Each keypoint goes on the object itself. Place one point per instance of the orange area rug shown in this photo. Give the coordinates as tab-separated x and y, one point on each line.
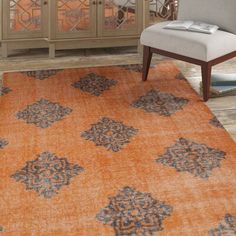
97	152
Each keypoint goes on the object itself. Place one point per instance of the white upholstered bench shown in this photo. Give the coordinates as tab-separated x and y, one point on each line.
205	50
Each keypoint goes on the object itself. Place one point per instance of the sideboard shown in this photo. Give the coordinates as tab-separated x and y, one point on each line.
68	24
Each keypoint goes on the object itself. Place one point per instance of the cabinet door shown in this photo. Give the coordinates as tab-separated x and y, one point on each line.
73	18
24	19
119	17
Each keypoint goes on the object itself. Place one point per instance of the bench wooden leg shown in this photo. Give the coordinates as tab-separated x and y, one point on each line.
206	80
147	57
4	50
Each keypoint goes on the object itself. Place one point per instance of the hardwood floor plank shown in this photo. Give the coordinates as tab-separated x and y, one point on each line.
227	117
223	103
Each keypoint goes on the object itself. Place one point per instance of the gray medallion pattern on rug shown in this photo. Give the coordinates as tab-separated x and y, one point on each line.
162	103
227	227
3	143
111	134
1	228
43	113
47	174
180	76
215	122
4	90
132	213
135	67
197	159
94	84
41	74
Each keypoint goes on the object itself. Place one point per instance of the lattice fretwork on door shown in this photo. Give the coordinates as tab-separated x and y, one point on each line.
25	15
161	10
73	15
120	14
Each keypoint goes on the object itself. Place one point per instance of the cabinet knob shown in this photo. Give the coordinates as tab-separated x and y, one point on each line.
45	3
100	2
94	2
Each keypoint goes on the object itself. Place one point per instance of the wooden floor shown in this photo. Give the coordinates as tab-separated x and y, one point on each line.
224	108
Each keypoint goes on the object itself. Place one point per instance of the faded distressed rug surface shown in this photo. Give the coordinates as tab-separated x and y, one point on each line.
97	152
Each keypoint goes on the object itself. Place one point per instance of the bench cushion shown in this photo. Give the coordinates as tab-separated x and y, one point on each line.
204	47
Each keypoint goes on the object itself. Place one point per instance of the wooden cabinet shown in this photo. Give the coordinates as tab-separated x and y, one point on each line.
67	24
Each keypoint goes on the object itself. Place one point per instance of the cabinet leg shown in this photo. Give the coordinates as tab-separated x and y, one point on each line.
4	50
52	50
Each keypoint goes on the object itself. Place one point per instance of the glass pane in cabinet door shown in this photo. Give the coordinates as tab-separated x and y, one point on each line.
120	14
73	15
162	10
25	15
